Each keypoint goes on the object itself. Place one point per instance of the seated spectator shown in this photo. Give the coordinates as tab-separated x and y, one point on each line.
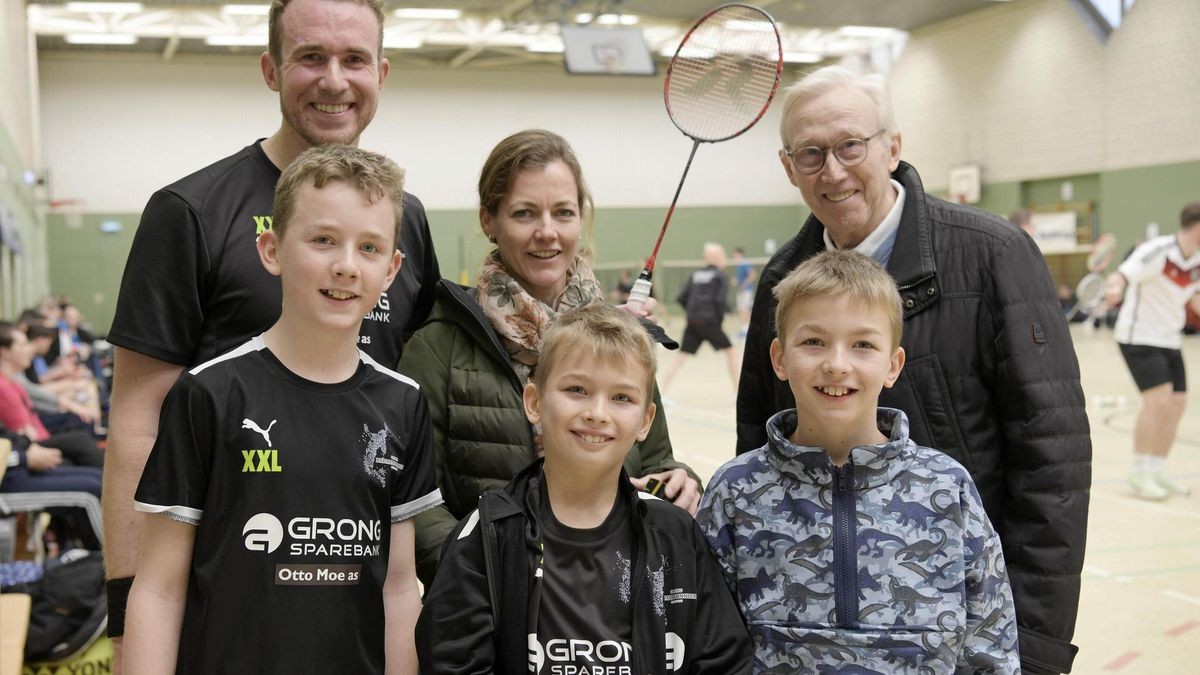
16	407
75	390
33	469
36	468
47	365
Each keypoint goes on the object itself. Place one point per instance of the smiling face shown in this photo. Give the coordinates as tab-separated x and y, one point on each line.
337	256
330	72
849	201
837	354
592	409
537	229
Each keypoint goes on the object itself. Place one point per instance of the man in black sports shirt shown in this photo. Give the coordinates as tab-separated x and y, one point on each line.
193	286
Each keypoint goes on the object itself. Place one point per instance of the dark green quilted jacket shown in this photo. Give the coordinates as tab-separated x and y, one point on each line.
480	434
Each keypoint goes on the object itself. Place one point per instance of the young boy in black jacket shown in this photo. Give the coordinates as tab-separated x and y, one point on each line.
569	569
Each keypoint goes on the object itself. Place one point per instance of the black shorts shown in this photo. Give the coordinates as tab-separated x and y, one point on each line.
1152	366
698	332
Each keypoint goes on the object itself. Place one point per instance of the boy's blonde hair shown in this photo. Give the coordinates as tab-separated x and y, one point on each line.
840	273
370	173
609	333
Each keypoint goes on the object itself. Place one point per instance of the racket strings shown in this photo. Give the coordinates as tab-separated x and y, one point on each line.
1090	290
724	74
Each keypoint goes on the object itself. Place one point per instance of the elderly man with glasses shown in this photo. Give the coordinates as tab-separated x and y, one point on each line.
991	376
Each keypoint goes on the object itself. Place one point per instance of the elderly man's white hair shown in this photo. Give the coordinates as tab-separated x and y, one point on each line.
830	78
714	253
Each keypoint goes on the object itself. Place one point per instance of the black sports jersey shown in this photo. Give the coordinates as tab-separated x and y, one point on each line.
194	287
293	485
583	618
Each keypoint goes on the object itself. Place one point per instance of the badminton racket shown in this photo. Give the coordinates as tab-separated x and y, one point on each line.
1102	253
1089	293
719	84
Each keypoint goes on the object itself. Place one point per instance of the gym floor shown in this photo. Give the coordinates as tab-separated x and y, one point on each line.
1140	606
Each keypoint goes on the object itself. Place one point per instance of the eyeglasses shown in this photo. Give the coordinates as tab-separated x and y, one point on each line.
811	158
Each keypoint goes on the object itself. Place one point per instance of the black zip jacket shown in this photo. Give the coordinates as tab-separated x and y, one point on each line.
991	379
477	615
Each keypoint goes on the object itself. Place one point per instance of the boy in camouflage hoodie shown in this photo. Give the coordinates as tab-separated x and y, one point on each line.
850	548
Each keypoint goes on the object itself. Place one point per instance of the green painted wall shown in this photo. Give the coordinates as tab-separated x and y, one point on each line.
86	263
22	277
1000	198
1134	197
1046	193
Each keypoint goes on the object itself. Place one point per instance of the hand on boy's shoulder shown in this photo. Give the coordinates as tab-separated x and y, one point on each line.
680	488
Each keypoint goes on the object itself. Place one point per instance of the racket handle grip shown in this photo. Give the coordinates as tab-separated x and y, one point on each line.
640	292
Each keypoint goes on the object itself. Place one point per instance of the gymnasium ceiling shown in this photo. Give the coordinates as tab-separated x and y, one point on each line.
495	33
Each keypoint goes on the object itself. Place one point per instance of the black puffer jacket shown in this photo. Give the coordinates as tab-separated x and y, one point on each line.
991	379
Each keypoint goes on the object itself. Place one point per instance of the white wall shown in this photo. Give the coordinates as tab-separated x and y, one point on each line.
1028	92
116	129
1022	88
18	93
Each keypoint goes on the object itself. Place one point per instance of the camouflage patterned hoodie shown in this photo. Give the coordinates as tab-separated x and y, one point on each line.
885	565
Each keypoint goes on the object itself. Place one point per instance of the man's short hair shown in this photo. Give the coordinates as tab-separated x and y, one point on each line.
610	334
35	331
1190	215
275	25
1020	217
31	316
370	173
7	332
830	78
833	273
714	253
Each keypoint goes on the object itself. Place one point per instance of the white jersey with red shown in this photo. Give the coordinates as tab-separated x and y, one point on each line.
1161	282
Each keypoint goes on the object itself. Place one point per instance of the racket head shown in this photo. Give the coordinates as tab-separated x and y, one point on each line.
1089	292
724	74
1102	253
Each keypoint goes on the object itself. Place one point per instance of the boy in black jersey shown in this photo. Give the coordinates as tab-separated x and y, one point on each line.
289	468
569	569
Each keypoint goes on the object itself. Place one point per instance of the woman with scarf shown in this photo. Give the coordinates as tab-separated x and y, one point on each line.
479	346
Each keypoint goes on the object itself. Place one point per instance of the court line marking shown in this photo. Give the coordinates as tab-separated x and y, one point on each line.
1122	661
1165	570
1184	597
1126	548
1105	574
1181	629
1158	508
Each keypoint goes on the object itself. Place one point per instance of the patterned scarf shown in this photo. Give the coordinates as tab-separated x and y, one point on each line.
521	319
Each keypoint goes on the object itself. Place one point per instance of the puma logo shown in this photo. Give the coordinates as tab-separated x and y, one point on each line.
266	433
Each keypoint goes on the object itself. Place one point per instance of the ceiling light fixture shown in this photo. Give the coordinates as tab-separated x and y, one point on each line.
427	13
100	38
252	40
617	19
105	7
803	57
403	41
546	46
867	31
245	10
